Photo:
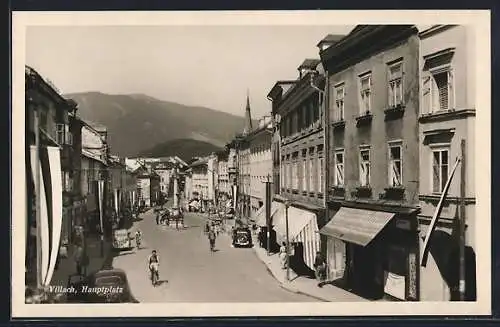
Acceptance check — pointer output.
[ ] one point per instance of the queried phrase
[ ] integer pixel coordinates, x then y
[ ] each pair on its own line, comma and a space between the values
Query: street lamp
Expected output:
287, 205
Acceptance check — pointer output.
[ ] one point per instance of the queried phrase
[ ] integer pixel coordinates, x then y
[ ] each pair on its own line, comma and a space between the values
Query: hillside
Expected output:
183, 148
138, 122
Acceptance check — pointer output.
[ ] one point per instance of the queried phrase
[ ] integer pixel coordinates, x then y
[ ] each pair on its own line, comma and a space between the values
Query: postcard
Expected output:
260, 163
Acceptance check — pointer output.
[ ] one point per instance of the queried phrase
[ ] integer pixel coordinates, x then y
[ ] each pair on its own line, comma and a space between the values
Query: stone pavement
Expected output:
304, 285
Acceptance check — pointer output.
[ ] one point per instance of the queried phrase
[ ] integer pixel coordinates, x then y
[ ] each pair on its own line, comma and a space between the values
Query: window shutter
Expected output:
451, 92
426, 94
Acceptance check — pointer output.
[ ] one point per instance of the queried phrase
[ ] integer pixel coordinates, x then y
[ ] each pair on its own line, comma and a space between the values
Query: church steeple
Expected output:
248, 117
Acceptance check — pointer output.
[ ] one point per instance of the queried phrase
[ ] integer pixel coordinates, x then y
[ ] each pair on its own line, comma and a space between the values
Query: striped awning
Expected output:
302, 228
260, 216
357, 226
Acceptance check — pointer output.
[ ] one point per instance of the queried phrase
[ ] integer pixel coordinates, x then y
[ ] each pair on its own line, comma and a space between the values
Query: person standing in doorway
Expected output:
283, 255
320, 268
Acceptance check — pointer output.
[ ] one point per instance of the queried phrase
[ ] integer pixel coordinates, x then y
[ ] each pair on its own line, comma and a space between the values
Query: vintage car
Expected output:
109, 286
242, 237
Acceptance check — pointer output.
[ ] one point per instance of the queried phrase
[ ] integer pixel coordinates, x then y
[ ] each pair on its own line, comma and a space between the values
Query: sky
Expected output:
210, 66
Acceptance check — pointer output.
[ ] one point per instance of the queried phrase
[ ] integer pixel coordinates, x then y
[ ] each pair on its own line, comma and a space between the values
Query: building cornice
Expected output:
362, 43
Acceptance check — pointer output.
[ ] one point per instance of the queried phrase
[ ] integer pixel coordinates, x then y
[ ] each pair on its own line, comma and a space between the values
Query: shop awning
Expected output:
297, 220
260, 216
357, 226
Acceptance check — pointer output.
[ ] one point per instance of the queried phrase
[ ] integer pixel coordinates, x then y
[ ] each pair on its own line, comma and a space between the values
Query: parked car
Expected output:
242, 237
109, 286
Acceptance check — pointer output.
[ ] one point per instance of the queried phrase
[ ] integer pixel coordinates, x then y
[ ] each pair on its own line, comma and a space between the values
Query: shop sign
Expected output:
394, 285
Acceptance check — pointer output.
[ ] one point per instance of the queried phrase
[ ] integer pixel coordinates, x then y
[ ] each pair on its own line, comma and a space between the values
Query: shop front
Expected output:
375, 253
303, 235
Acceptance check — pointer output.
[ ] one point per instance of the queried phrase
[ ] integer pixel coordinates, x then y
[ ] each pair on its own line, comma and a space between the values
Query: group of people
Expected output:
320, 266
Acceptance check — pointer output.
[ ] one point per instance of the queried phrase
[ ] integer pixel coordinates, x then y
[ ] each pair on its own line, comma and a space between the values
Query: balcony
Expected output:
338, 124
364, 119
395, 112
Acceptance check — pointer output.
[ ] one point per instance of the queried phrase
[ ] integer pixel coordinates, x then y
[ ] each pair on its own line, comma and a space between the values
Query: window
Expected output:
304, 175
60, 133
320, 175
339, 92
440, 167
395, 84
395, 164
67, 182
364, 166
437, 90
339, 168
365, 81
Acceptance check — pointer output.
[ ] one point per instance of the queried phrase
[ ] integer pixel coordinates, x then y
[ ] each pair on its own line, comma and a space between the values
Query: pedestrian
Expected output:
158, 215
211, 238
283, 255
320, 268
79, 258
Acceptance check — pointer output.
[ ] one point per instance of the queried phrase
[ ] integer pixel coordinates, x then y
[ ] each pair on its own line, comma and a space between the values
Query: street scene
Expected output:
342, 171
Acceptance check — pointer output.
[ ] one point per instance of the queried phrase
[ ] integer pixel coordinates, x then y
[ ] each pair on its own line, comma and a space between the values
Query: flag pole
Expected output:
37, 200
462, 285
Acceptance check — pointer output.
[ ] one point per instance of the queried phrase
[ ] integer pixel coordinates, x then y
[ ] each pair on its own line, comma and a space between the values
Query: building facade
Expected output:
94, 168
297, 110
199, 181
447, 118
260, 163
373, 103
47, 119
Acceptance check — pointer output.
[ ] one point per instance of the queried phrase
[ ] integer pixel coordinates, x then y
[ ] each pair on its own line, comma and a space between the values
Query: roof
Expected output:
199, 162
309, 64
330, 39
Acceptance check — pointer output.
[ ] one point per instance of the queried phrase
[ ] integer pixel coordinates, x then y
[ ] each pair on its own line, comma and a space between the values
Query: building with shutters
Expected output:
373, 101
447, 118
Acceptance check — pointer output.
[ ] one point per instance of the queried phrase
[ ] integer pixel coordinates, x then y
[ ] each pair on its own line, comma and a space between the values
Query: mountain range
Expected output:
138, 124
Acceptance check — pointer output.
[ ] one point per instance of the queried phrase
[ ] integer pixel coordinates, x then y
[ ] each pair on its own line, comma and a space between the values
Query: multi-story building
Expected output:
94, 168
373, 102
260, 163
199, 181
212, 165
223, 182
165, 170
298, 113
447, 118
47, 120
148, 187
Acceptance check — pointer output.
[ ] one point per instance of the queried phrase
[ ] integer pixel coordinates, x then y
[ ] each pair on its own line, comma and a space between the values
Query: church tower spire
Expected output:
248, 117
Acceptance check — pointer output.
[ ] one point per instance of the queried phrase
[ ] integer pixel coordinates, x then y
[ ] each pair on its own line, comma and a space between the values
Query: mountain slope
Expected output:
183, 148
138, 122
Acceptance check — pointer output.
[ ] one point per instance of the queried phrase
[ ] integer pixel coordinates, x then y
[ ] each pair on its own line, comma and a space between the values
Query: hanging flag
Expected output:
55, 219
100, 194
235, 197
43, 233
115, 200
437, 213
